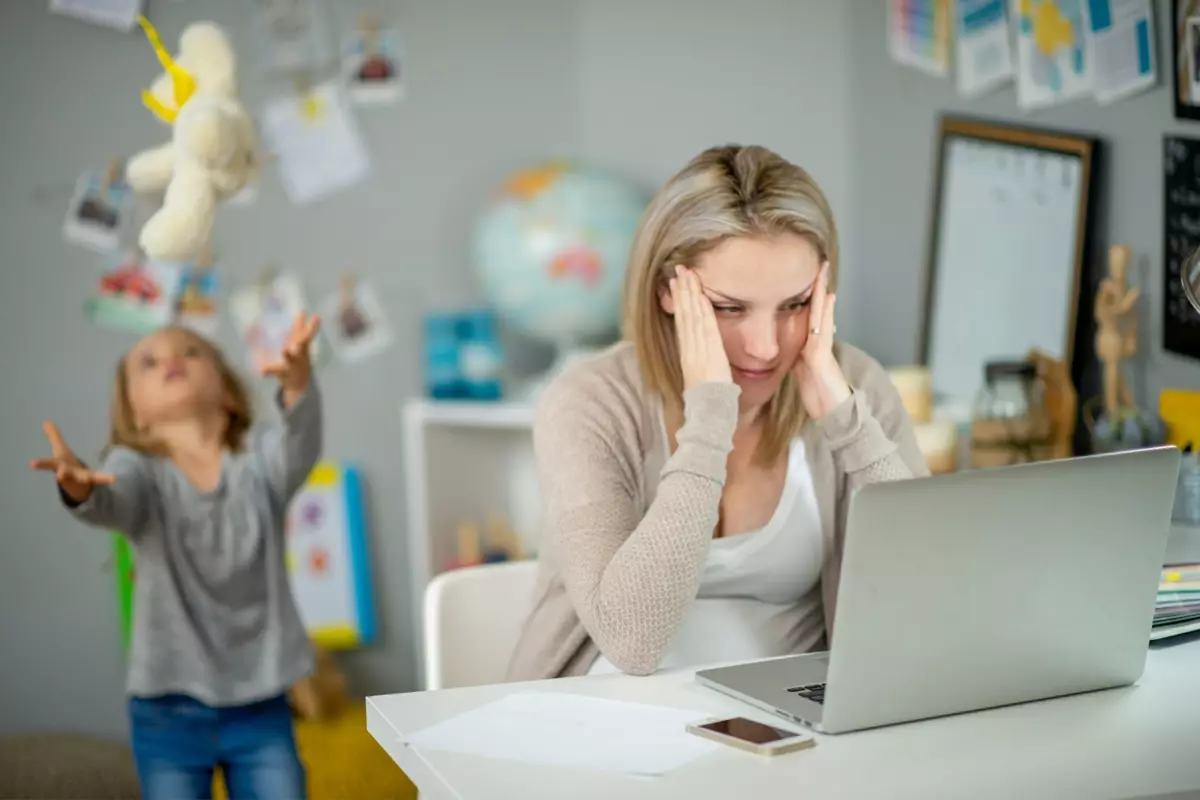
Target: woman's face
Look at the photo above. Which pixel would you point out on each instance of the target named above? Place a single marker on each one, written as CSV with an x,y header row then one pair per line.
x,y
760,289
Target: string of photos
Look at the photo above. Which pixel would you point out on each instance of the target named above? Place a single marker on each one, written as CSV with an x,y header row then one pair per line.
x,y
156,263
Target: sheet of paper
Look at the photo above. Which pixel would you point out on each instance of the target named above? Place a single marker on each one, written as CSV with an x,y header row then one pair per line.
x,y
572,731
317,143
919,34
1052,62
983,58
120,14
1120,47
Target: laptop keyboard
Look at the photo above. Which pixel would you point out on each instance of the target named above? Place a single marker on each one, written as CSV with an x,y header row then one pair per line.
x,y
813,691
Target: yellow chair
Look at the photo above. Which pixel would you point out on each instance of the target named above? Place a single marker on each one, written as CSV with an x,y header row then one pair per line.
x,y
344,761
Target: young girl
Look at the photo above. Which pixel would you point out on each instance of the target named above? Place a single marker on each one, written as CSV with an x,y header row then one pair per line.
x,y
217,639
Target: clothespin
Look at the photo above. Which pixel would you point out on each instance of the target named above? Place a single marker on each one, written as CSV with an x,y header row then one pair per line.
x,y
312,108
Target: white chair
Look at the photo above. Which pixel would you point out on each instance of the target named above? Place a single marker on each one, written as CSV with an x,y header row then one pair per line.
x,y
472,619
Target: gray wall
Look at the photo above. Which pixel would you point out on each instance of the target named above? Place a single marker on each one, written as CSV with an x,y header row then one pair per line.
x,y
893,128
638,87
635,86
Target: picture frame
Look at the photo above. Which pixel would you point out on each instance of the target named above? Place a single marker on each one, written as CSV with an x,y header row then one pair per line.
x,y
1009,228
1185,59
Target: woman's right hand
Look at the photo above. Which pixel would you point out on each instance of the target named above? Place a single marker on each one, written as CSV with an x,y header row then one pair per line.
x,y
701,351
73,476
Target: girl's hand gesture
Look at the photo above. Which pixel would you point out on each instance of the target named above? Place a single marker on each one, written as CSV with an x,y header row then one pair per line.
x,y
73,476
293,370
701,351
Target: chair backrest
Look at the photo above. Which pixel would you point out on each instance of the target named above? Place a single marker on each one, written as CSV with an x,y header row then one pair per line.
x,y
473,617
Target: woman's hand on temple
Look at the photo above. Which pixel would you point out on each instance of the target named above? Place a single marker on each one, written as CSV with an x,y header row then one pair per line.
x,y
701,351
823,387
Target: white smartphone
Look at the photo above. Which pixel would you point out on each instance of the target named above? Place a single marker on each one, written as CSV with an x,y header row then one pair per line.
x,y
755,737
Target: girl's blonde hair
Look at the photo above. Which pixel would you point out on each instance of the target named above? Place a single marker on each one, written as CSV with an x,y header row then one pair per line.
x,y
123,427
728,191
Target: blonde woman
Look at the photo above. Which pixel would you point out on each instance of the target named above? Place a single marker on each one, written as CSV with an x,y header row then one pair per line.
x,y
695,478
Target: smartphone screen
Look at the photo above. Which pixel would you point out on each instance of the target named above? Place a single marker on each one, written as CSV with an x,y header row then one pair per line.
x,y
748,730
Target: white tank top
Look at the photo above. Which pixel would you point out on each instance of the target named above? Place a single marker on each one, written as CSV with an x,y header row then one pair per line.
x,y
759,594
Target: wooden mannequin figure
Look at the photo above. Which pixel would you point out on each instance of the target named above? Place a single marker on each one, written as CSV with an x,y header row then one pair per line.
x,y
1116,330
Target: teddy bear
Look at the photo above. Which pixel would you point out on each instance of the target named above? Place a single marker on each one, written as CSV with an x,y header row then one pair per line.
x,y
213,151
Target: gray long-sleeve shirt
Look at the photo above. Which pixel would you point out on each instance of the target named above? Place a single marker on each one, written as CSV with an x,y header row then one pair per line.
x,y
213,613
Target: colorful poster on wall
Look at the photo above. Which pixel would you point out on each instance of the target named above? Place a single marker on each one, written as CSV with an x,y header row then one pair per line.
x,y
919,34
1120,38
983,59
1052,62
327,558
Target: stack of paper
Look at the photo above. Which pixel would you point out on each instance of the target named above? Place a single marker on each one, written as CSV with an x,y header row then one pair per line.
x,y
569,730
1177,609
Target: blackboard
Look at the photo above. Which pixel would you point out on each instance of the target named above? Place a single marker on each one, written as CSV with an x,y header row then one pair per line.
x,y
1181,236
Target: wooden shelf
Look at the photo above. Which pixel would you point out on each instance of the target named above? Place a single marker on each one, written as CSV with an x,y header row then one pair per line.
x,y
463,461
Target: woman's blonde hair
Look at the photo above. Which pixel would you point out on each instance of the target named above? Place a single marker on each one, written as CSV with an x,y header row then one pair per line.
x,y
123,428
729,191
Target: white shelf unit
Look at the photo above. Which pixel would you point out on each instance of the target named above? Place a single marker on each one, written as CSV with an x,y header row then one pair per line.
x,y
463,461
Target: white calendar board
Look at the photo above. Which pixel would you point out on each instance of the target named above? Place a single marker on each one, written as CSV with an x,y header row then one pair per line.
x,y
1006,258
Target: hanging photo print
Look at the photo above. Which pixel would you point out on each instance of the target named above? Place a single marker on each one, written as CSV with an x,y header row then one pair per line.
x,y
98,208
196,306
264,314
372,66
294,35
354,322
135,294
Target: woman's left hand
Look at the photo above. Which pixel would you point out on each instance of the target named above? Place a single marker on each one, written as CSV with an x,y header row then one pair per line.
x,y
823,387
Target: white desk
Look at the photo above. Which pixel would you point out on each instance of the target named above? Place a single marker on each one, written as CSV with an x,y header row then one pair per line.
x,y
1123,743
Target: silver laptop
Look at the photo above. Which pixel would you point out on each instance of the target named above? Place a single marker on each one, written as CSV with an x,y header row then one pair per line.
x,y
981,589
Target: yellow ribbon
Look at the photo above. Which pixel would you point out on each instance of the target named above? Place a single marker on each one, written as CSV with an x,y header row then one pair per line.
x,y
184,84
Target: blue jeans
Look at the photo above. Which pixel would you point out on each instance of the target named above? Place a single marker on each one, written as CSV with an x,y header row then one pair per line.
x,y
178,742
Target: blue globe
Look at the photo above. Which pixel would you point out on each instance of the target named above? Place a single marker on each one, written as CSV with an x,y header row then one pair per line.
x,y
550,251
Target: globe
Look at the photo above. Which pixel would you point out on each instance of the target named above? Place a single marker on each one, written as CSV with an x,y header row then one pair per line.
x,y
550,252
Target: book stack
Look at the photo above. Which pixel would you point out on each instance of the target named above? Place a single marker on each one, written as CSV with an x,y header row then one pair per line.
x,y
1177,610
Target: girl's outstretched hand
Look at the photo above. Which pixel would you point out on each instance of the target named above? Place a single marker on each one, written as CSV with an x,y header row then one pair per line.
x,y
293,370
73,476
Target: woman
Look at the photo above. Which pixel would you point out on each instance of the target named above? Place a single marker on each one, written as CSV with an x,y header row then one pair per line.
x,y
695,478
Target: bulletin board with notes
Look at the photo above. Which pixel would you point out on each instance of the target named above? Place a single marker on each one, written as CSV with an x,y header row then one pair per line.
x,y
1009,224
1181,236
